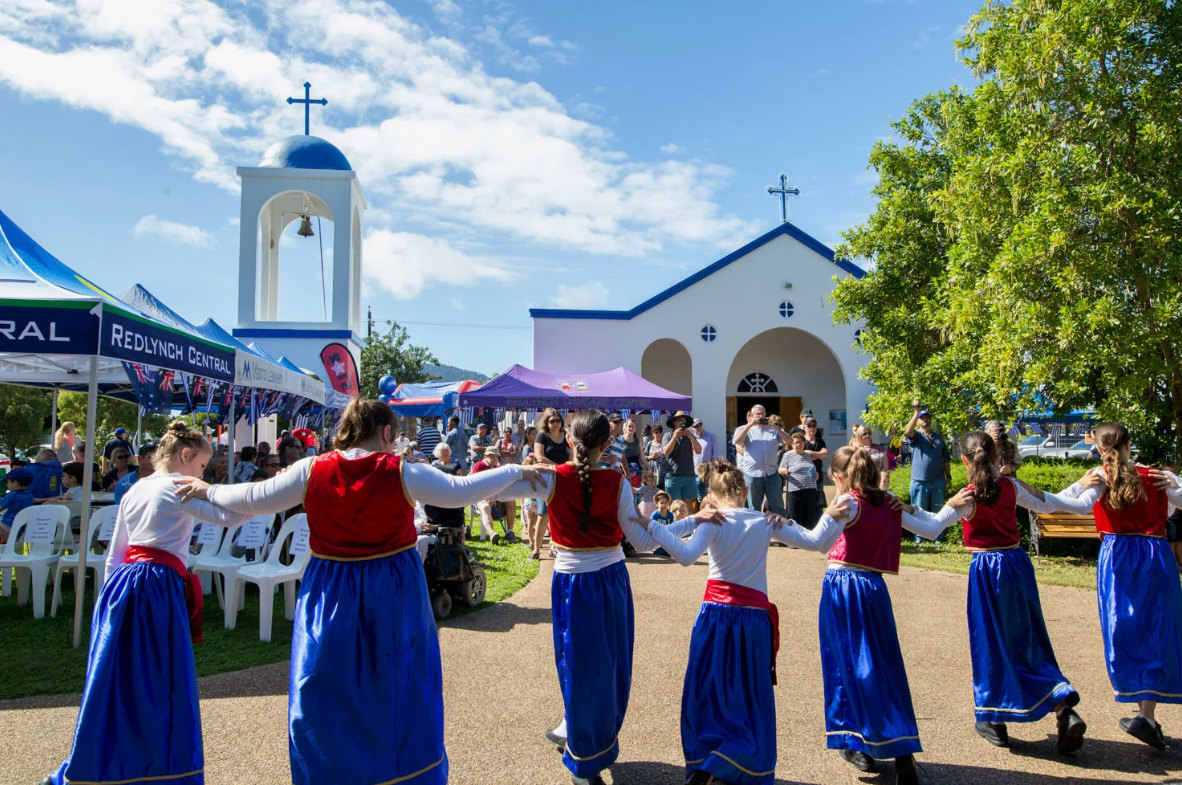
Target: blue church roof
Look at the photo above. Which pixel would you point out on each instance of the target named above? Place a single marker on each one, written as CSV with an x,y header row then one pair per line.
x,y
305,152
787,228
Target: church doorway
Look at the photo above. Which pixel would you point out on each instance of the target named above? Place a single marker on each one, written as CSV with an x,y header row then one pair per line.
x,y
787,370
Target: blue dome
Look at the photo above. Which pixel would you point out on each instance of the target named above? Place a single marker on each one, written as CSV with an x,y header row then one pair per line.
x,y
305,152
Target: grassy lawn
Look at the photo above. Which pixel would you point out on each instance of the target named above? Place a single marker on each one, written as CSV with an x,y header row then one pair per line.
x,y
38,659
1077,571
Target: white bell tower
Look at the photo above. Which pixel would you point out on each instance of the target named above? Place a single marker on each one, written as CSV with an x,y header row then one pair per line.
x,y
299,178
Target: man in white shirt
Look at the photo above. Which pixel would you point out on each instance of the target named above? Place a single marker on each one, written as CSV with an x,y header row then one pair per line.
x,y
758,461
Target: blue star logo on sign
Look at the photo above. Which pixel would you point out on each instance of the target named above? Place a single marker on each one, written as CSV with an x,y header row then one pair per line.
x,y
709,333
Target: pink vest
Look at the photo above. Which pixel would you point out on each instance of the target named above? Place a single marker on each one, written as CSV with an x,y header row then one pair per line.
x,y
872,540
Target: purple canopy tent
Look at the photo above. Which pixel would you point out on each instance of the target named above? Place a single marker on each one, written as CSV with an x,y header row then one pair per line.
x,y
615,390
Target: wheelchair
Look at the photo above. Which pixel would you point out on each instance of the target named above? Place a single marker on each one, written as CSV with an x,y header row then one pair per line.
x,y
452,572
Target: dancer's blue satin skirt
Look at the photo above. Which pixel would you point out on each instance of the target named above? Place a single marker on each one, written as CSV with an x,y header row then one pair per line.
x,y
594,631
1015,675
1140,601
728,709
366,692
867,698
139,718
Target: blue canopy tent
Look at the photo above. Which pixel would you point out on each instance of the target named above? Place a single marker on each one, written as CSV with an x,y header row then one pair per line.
x,y
429,399
58,329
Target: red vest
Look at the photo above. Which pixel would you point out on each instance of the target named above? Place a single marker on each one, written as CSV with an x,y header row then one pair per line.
x,y
358,508
872,540
994,527
1148,516
566,510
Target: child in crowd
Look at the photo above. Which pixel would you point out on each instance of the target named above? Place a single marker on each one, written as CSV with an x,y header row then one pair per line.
x,y
646,495
680,509
18,498
530,510
72,474
663,515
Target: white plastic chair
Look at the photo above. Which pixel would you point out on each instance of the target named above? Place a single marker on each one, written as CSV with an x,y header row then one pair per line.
x,y
269,574
95,560
223,564
36,563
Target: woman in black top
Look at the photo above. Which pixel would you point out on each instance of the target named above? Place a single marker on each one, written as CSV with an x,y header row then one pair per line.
x,y
551,446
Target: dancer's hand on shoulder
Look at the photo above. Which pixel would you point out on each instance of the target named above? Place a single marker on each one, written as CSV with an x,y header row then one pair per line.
x,y
1163,479
709,515
898,504
778,522
1093,479
962,499
536,475
840,507
191,488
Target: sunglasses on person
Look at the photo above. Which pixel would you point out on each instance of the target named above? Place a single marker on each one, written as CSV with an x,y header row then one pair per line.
x,y
271,464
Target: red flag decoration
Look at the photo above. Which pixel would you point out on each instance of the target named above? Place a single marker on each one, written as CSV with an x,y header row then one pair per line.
x,y
342,371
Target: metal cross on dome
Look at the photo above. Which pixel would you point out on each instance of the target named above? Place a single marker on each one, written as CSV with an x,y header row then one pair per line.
x,y
783,192
307,101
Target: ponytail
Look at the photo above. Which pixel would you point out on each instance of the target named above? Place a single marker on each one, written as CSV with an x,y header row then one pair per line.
x,y
984,473
589,430
861,473
178,437
1125,486
724,481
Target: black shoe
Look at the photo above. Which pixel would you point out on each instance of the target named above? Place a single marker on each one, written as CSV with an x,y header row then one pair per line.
x,y
859,760
1071,731
1140,728
596,780
556,740
994,732
905,773
698,777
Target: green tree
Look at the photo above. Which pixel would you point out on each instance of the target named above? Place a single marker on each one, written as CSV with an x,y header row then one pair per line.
x,y
1062,212
24,415
391,353
111,414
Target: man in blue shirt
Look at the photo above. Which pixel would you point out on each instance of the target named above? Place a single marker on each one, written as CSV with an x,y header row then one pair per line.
x,y
145,468
931,463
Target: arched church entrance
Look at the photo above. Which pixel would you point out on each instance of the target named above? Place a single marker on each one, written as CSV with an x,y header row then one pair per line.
x,y
787,370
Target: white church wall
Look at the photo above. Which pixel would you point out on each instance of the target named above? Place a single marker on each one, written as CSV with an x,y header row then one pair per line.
x,y
740,301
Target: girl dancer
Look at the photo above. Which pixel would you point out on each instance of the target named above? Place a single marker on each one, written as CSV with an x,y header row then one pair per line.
x,y
1015,675
366,699
1137,586
139,718
728,709
868,711
591,510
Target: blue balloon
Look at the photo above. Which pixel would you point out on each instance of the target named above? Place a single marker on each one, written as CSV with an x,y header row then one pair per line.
x,y
384,398
387,384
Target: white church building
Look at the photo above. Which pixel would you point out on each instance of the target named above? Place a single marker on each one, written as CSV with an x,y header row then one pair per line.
x,y
754,327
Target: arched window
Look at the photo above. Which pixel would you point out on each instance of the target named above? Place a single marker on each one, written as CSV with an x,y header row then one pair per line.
x,y
709,333
787,309
758,383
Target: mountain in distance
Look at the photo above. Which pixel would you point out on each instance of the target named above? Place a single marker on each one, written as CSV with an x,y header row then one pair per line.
x,y
450,373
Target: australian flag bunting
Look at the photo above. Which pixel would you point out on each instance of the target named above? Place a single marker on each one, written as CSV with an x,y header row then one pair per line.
x,y
153,388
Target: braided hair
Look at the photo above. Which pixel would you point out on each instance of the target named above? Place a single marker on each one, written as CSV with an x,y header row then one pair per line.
x,y
590,430
981,451
1125,487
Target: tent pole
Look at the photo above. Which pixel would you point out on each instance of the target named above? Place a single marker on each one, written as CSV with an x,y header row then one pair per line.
x,y
139,426
230,444
53,421
87,485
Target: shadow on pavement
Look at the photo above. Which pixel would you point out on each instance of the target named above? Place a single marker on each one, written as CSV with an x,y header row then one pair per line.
x,y
650,773
502,617
951,773
1130,757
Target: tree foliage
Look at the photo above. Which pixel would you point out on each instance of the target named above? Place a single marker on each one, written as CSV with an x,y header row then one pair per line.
x,y
1026,239
391,353
24,417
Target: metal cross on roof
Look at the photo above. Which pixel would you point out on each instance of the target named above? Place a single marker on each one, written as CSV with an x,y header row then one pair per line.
x,y
307,101
783,192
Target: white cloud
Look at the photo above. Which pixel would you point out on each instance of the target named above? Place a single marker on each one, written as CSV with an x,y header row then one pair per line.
x,y
434,137
173,231
541,40
584,295
405,264
456,303
672,149
235,221
924,38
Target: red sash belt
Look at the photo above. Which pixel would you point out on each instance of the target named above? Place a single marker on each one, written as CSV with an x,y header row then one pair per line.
x,y
194,597
725,593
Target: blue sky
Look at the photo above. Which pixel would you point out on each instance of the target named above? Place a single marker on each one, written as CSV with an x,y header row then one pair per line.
x,y
513,155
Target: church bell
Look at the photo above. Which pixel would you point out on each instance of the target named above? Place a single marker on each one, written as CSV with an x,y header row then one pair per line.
x,y
306,227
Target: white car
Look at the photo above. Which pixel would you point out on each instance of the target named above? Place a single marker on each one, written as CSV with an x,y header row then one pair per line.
x,y
1051,446
1081,449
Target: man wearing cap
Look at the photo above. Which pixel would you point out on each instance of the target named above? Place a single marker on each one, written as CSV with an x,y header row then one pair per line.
x,y
680,447
613,454
491,458
805,416
709,445
120,440
931,463
478,444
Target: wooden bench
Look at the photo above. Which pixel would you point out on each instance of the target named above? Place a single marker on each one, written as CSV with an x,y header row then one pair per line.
x,y
1060,524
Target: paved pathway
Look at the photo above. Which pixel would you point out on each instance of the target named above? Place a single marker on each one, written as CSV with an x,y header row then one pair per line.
x,y
501,692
